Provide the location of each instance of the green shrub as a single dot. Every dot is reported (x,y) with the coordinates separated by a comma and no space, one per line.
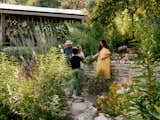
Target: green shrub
(101,84)
(39,97)
(8,86)
(114,101)
(87,36)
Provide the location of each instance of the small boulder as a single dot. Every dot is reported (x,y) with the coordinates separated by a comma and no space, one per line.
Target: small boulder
(102,117)
(88,114)
(78,108)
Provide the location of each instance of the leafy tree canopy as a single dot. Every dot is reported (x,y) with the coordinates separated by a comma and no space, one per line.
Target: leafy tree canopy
(106,10)
(48,3)
(121,18)
(41,3)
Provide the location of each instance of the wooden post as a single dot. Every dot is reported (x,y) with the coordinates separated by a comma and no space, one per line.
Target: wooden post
(2,30)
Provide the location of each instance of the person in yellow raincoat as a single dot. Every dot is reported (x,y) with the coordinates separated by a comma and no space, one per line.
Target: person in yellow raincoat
(103,62)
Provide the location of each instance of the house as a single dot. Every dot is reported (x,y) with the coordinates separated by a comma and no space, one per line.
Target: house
(24,14)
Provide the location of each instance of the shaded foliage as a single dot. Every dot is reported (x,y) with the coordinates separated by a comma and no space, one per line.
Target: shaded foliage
(87,36)
(48,3)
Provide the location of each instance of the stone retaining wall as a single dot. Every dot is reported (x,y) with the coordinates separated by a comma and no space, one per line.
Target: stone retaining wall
(123,68)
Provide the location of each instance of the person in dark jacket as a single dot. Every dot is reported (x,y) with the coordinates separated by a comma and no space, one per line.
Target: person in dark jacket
(77,72)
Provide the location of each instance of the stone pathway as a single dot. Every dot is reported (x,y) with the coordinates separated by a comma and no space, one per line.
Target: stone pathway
(84,108)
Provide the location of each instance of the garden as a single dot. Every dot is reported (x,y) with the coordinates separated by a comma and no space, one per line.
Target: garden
(34,78)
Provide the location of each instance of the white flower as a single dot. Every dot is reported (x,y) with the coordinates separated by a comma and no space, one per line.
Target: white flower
(102,97)
(122,90)
(55,99)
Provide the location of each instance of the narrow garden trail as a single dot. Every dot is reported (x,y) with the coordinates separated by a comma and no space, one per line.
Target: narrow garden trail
(84,107)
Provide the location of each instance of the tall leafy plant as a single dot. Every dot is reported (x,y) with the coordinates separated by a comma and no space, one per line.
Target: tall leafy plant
(8,86)
(145,90)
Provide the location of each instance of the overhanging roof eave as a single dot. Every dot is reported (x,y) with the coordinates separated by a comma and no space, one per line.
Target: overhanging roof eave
(41,11)
(43,14)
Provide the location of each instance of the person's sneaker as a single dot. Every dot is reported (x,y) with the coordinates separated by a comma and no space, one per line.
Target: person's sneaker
(74,96)
(74,93)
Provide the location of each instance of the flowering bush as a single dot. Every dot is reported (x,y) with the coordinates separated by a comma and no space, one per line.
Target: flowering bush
(41,96)
(113,102)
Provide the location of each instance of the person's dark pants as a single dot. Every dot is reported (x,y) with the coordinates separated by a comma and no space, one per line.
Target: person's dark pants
(77,75)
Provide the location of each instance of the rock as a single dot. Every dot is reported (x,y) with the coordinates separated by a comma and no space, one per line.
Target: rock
(89,103)
(88,114)
(78,108)
(122,61)
(101,114)
(92,111)
(84,116)
(102,117)
(119,118)
(113,62)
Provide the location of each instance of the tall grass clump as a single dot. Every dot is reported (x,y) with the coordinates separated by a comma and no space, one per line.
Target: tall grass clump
(25,37)
(40,96)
